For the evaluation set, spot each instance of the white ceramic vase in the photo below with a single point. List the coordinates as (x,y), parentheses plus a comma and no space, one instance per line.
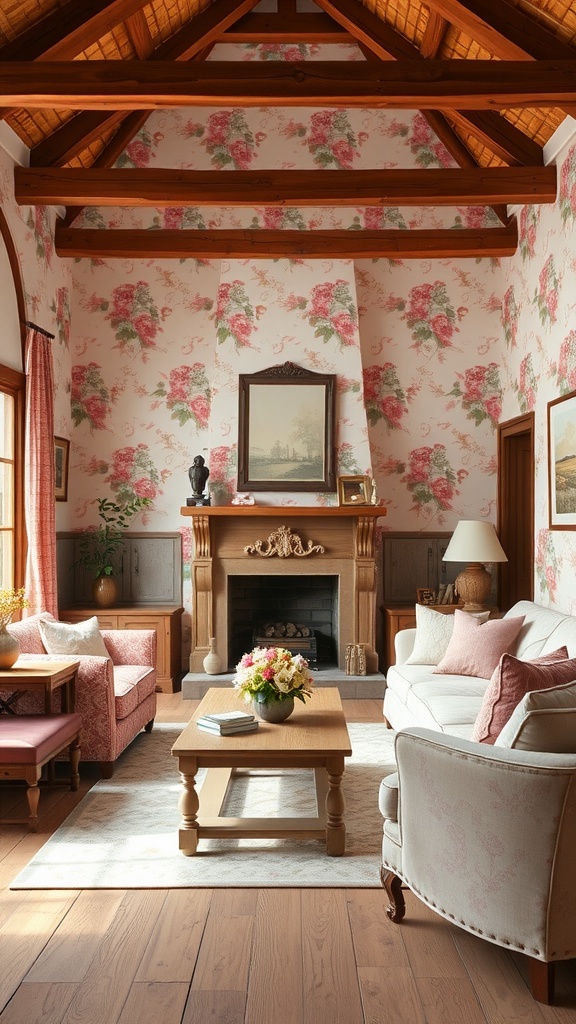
(9,648)
(212,663)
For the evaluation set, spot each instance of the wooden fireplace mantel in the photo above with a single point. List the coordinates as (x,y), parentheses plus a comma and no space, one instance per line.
(342,538)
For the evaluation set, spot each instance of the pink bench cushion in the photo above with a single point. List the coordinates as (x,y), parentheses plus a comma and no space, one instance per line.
(29,739)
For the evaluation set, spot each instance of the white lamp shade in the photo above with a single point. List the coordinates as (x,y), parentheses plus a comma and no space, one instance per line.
(474,541)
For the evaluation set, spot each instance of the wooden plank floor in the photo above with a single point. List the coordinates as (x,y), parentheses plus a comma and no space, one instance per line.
(242,956)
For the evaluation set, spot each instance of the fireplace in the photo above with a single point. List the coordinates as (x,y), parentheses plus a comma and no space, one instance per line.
(256,548)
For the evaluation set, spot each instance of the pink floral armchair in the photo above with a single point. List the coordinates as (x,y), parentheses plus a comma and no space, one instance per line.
(115,696)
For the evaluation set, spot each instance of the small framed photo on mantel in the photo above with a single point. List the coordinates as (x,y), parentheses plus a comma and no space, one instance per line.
(354,490)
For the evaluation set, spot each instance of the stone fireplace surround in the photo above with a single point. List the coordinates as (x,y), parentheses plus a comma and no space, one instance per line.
(281,540)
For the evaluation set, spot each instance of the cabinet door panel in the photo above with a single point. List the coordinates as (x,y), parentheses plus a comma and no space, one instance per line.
(154,571)
(409,563)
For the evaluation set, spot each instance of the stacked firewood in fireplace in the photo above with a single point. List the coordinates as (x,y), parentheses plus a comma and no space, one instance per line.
(294,636)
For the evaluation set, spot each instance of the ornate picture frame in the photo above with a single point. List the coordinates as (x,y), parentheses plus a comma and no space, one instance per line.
(354,490)
(61,459)
(562,462)
(286,417)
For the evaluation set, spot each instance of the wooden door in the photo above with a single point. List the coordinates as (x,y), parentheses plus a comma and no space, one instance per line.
(516,509)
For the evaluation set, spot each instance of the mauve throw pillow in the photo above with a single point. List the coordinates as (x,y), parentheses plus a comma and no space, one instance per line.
(511,681)
(476,647)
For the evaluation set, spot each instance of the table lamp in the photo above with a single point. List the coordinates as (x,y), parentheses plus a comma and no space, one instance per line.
(475,542)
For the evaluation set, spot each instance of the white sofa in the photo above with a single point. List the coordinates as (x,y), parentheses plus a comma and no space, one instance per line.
(415,696)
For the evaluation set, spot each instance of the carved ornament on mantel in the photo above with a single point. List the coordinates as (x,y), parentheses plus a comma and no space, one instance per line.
(283,543)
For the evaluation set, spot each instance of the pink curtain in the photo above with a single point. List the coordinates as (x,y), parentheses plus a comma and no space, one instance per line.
(40,581)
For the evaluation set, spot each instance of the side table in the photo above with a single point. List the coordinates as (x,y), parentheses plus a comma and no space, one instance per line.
(46,677)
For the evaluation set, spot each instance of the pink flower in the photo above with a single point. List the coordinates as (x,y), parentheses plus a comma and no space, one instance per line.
(493,407)
(273,218)
(420,299)
(393,410)
(123,300)
(345,326)
(343,152)
(138,152)
(146,328)
(96,409)
(173,217)
(241,327)
(241,154)
(144,488)
(442,327)
(442,490)
(200,408)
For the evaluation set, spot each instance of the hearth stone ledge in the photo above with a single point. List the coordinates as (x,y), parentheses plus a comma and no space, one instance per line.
(196,684)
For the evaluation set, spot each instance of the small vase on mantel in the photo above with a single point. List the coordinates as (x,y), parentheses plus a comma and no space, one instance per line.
(212,663)
(9,648)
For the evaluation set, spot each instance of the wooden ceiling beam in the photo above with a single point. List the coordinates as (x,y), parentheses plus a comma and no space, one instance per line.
(271,28)
(434,33)
(245,244)
(146,186)
(393,85)
(139,35)
(503,29)
(513,146)
(68,30)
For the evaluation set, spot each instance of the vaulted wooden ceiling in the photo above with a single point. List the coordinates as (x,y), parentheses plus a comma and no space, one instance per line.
(79,79)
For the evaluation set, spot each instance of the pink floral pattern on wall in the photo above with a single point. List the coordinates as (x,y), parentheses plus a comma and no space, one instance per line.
(567,190)
(527,231)
(527,385)
(60,306)
(384,397)
(546,297)
(228,138)
(565,369)
(187,393)
(333,313)
(132,474)
(134,315)
(547,564)
(430,479)
(222,480)
(90,398)
(140,150)
(510,316)
(329,137)
(424,145)
(431,317)
(235,315)
(480,391)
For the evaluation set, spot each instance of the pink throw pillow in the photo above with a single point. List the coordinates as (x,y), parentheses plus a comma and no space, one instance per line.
(511,681)
(476,647)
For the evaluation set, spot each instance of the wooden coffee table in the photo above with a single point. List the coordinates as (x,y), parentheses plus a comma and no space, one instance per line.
(315,736)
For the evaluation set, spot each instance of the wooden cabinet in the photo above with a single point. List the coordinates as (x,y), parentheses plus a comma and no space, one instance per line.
(399,617)
(165,619)
(147,567)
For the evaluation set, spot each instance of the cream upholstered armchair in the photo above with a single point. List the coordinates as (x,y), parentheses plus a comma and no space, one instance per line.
(486,837)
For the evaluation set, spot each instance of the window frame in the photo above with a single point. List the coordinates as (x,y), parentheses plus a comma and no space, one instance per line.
(13,383)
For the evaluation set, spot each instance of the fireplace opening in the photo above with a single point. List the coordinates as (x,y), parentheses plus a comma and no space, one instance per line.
(306,601)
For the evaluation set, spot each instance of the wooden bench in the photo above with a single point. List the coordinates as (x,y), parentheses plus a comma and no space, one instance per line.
(27,743)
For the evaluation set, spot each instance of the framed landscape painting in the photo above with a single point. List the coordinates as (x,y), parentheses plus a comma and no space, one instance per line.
(562,462)
(286,430)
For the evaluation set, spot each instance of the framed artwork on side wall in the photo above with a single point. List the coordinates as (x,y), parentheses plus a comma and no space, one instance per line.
(286,430)
(61,454)
(562,462)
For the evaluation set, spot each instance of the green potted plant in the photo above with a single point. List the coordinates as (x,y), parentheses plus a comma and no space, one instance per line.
(97,546)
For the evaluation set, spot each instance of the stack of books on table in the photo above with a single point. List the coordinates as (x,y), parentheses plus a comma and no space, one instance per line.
(228,722)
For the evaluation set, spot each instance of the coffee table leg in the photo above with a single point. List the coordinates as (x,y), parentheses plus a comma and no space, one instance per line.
(188,806)
(335,806)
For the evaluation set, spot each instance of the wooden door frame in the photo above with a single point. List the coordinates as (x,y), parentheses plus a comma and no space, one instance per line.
(524,424)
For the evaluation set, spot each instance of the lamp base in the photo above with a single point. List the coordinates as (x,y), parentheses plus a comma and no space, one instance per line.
(473,586)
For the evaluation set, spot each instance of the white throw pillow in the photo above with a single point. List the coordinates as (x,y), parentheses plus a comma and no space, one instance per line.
(543,720)
(77,638)
(433,632)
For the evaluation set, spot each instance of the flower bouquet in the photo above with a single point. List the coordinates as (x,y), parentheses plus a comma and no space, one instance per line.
(11,601)
(273,677)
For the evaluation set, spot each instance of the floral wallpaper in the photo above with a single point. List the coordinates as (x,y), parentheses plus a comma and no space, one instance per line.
(428,354)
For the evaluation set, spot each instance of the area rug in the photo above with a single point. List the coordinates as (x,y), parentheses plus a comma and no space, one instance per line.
(124,833)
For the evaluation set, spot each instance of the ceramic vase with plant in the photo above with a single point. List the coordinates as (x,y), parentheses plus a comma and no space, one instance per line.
(271,678)
(97,547)
(11,601)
